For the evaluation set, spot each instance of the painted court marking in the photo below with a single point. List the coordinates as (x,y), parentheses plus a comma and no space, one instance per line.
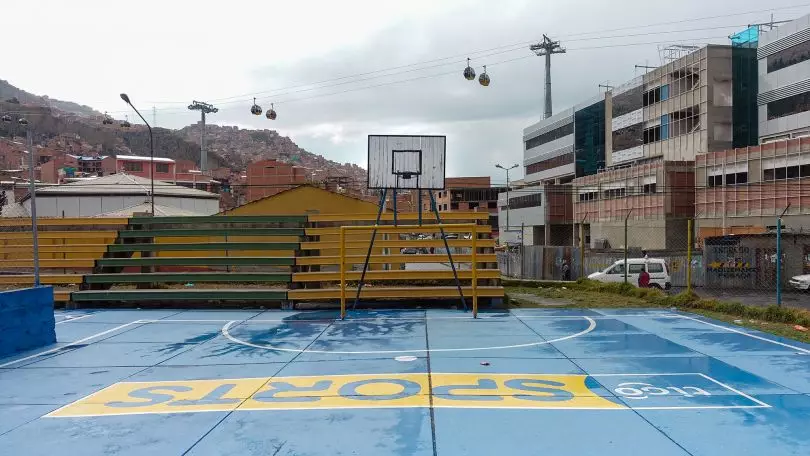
(404,390)
(753,336)
(227,334)
(69,318)
(68,345)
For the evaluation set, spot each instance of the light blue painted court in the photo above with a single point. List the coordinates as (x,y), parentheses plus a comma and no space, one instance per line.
(411,382)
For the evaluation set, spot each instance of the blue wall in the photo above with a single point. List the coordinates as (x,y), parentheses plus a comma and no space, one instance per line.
(26,319)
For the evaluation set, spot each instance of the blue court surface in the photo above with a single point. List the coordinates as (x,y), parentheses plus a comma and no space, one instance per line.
(436,382)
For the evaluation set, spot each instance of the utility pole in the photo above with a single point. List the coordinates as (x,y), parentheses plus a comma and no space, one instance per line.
(204,109)
(154,116)
(546,48)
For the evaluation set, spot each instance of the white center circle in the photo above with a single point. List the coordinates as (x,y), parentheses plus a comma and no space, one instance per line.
(227,334)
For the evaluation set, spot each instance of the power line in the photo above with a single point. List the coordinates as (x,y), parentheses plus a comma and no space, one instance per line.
(518,45)
(692,40)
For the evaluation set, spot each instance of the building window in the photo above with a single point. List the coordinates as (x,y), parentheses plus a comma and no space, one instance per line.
(649,188)
(473,205)
(788,106)
(133,166)
(652,134)
(445,207)
(628,137)
(613,193)
(551,163)
(161,167)
(789,172)
(557,133)
(454,206)
(790,56)
(684,79)
(715,181)
(627,102)
(653,96)
(684,121)
(521,202)
(492,204)
(588,196)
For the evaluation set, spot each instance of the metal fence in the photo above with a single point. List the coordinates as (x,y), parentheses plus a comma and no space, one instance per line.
(746,265)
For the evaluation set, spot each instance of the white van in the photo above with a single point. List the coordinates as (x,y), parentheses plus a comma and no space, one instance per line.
(656,267)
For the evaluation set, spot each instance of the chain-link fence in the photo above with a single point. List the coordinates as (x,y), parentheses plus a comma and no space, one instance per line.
(743,264)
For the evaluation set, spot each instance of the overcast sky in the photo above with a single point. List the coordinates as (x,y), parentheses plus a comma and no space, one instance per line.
(167,53)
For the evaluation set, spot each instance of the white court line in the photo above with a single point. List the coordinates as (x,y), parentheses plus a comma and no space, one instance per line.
(753,336)
(73,319)
(225,333)
(80,341)
(602,317)
(762,404)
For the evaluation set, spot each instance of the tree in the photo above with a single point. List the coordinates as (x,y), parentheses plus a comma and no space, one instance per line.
(13,100)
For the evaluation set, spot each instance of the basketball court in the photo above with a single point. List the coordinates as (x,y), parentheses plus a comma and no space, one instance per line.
(409,382)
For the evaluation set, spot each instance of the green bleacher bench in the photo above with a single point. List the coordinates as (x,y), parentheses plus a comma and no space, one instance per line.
(196,261)
(208,246)
(194,277)
(201,295)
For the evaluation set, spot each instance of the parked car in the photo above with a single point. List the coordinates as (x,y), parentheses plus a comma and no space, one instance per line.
(409,251)
(655,267)
(801,282)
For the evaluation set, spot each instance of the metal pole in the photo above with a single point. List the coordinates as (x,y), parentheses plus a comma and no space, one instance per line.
(507,200)
(779,256)
(151,151)
(779,261)
(626,266)
(395,206)
(447,247)
(420,206)
(547,111)
(370,247)
(581,250)
(689,256)
(33,192)
(203,155)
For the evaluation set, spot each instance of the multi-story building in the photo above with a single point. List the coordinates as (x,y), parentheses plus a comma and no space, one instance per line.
(268,177)
(557,150)
(743,190)
(468,194)
(783,65)
(521,220)
(656,125)
(136,165)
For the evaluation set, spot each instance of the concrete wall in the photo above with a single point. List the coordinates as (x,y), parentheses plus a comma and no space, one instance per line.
(26,319)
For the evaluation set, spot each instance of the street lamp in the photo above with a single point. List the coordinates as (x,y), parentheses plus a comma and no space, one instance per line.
(507,191)
(151,152)
(32,191)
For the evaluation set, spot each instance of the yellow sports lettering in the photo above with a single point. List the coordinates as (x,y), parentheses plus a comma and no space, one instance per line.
(341,392)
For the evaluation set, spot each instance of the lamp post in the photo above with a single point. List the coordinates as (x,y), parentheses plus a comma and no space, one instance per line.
(507,191)
(151,153)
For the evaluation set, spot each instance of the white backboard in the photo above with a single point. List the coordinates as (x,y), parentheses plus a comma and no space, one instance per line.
(406,162)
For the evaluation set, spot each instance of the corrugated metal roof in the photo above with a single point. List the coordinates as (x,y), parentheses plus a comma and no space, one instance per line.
(160,211)
(140,158)
(124,184)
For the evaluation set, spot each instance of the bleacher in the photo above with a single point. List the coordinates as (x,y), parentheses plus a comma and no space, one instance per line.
(252,259)
(68,249)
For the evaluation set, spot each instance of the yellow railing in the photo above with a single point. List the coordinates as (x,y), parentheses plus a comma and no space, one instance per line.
(471,228)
